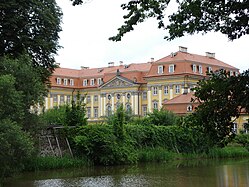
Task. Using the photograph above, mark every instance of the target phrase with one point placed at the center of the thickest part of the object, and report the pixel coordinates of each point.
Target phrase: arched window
(109, 110)
(128, 107)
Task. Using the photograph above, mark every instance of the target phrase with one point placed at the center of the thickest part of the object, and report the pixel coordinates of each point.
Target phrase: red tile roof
(181, 99)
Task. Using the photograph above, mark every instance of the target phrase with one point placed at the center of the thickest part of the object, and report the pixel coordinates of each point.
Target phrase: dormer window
(194, 68)
(231, 73)
(65, 81)
(71, 82)
(189, 108)
(209, 69)
(92, 82)
(99, 81)
(200, 69)
(58, 80)
(160, 69)
(236, 73)
(85, 82)
(171, 68)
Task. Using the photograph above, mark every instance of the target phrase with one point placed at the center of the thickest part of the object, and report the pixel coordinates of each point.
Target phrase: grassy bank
(47, 163)
(143, 156)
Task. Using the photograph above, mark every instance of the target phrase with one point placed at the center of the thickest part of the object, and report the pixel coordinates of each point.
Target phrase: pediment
(118, 82)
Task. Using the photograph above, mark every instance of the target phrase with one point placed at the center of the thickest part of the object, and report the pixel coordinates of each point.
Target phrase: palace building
(139, 87)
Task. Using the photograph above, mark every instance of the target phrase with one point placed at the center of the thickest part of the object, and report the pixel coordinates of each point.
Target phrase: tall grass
(47, 163)
(228, 152)
(155, 155)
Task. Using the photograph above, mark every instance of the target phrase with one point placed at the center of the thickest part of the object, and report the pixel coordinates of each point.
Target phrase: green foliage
(31, 26)
(228, 152)
(16, 148)
(118, 125)
(76, 114)
(162, 118)
(221, 97)
(242, 139)
(228, 17)
(54, 116)
(11, 106)
(100, 144)
(21, 88)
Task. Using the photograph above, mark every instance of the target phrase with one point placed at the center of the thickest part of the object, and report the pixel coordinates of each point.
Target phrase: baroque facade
(139, 87)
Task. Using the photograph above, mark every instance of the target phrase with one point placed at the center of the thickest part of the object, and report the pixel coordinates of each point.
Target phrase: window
(99, 81)
(58, 80)
(171, 68)
(166, 90)
(65, 81)
(96, 113)
(109, 97)
(144, 110)
(160, 69)
(235, 128)
(88, 112)
(155, 89)
(200, 69)
(177, 89)
(128, 96)
(155, 105)
(109, 110)
(118, 96)
(95, 98)
(85, 82)
(68, 98)
(245, 126)
(88, 99)
(54, 98)
(61, 99)
(92, 82)
(144, 96)
(189, 108)
(71, 82)
(128, 107)
(236, 73)
(194, 68)
(231, 73)
(209, 69)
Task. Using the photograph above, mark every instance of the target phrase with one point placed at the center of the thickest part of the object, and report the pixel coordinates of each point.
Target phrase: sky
(86, 29)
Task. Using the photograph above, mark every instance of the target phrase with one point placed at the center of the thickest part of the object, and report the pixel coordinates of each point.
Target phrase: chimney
(110, 64)
(84, 67)
(183, 49)
(210, 55)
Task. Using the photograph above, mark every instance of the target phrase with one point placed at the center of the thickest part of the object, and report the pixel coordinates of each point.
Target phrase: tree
(222, 97)
(229, 17)
(31, 26)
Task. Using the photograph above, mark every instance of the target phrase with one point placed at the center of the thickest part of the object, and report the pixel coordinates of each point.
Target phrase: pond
(204, 173)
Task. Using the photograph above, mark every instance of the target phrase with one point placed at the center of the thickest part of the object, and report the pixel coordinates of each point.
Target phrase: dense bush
(54, 115)
(242, 139)
(16, 148)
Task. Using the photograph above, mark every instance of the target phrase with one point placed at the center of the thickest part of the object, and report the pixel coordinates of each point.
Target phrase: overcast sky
(86, 30)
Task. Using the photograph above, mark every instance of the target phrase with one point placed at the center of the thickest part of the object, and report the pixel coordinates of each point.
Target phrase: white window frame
(92, 82)
(65, 81)
(155, 105)
(235, 128)
(166, 90)
(177, 89)
(88, 112)
(85, 82)
(145, 109)
(95, 98)
(200, 69)
(96, 112)
(209, 69)
(99, 81)
(88, 99)
(160, 69)
(171, 68)
(155, 90)
(144, 96)
(71, 82)
(58, 80)
(194, 68)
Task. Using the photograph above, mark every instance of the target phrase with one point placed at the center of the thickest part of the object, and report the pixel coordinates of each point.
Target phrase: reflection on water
(204, 173)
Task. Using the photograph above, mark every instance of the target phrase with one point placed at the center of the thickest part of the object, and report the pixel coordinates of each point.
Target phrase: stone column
(100, 105)
(112, 101)
(92, 111)
(46, 103)
(58, 100)
(123, 99)
(149, 98)
(171, 91)
(160, 97)
(104, 104)
(136, 103)
(51, 101)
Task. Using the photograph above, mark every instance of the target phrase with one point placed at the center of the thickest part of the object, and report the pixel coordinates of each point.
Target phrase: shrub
(16, 148)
